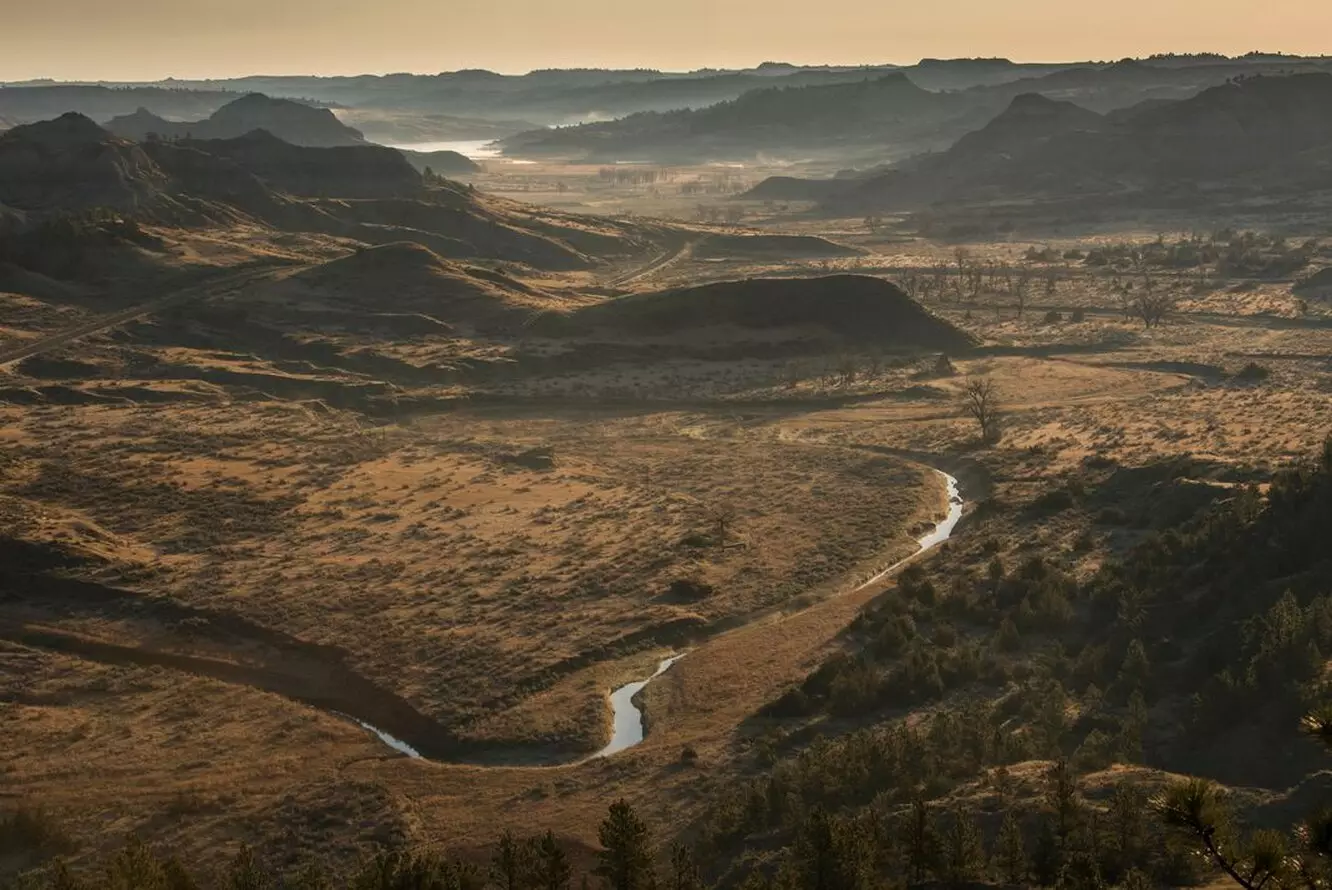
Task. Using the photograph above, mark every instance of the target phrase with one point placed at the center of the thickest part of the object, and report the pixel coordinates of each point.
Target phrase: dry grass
(506, 600)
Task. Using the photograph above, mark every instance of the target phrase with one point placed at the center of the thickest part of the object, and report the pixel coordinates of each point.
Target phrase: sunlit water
(396, 744)
(942, 532)
(628, 718)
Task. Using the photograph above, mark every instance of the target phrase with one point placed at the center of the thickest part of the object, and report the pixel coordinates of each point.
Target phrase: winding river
(628, 718)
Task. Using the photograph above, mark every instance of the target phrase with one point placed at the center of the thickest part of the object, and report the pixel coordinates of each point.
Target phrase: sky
(155, 39)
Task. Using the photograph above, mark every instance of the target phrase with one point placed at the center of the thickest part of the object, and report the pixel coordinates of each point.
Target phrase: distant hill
(67, 174)
(1269, 134)
(778, 121)
(798, 116)
(852, 308)
(348, 171)
(28, 104)
(289, 121)
(445, 163)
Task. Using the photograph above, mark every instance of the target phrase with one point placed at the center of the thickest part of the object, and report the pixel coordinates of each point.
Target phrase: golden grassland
(505, 600)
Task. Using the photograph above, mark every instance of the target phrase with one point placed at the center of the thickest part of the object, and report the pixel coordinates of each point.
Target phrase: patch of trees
(1230, 253)
(1208, 634)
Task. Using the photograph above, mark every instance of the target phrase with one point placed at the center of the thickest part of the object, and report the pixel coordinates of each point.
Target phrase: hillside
(776, 122)
(28, 104)
(1261, 132)
(349, 171)
(444, 163)
(289, 121)
(72, 164)
(851, 308)
(406, 278)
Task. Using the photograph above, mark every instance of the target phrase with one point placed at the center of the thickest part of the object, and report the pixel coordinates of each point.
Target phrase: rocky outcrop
(71, 164)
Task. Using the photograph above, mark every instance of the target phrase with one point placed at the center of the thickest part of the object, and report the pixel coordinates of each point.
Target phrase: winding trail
(194, 292)
(670, 258)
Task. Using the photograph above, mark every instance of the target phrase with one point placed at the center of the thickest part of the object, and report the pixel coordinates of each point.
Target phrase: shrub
(1054, 316)
(1253, 373)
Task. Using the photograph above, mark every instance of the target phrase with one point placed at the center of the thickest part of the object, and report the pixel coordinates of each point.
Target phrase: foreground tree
(981, 402)
(509, 863)
(625, 858)
(684, 870)
(548, 864)
(1196, 809)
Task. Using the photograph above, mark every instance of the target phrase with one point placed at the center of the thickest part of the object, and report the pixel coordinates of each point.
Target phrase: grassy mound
(854, 308)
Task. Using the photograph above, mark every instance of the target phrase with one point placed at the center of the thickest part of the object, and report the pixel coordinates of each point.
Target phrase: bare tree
(940, 280)
(981, 402)
(1019, 288)
(1051, 282)
(848, 368)
(1153, 308)
(722, 517)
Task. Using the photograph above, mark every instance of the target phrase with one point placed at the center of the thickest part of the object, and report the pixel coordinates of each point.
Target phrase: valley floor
(208, 558)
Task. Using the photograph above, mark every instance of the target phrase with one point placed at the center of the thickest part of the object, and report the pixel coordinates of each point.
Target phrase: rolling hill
(289, 121)
(407, 278)
(777, 121)
(1266, 134)
(70, 167)
(848, 308)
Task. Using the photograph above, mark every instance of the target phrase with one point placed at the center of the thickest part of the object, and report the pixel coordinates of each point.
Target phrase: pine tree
(509, 862)
(1062, 799)
(549, 866)
(311, 877)
(919, 842)
(684, 871)
(1047, 857)
(831, 853)
(1126, 828)
(625, 860)
(1010, 852)
(246, 873)
(755, 881)
(135, 867)
(59, 877)
(816, 852)
(1131, 729)
(963, 851)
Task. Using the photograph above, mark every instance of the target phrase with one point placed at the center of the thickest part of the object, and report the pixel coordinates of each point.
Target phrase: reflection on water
(628, 718)
(942, 532)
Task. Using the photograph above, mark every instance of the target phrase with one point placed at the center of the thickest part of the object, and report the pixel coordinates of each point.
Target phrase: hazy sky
(150, 39)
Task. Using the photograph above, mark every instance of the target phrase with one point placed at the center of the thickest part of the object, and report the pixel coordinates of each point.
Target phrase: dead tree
(981, 402)
(1153, 308)
(722, 517)
(1019, 287)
